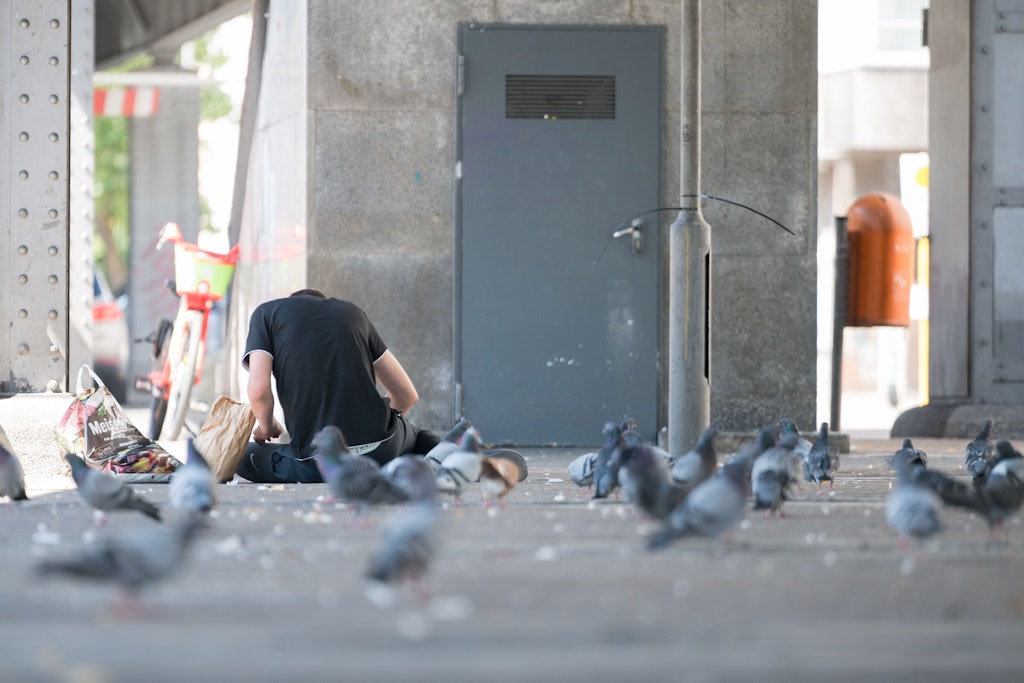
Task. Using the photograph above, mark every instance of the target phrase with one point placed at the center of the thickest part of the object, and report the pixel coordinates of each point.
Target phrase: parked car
(110, 338)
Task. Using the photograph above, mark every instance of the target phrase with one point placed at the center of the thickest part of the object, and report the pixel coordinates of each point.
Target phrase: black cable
(704, 196)
(629, 220)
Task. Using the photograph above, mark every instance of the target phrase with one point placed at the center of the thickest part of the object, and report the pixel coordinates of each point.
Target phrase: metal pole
(689, 332)
(839, 313)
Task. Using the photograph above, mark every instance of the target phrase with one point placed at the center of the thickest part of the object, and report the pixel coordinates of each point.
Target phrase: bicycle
(201, 278)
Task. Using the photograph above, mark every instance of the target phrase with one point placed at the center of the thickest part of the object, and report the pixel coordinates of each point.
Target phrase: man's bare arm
(393, 377)
(261, 397)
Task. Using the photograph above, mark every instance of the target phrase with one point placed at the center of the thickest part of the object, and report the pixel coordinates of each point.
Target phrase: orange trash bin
(881, 241)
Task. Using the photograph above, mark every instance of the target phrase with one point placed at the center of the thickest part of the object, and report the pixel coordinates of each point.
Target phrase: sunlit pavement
(553, 586)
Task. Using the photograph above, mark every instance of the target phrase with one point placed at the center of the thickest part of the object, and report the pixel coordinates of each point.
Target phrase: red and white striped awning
(127, 101)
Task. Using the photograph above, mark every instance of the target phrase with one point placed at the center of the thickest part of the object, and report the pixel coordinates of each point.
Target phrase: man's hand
(262, 433)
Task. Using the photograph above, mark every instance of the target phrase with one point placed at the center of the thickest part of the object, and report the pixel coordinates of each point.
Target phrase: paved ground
(554, 587)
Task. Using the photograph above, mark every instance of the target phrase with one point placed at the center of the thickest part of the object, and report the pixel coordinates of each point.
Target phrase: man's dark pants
(271, 463)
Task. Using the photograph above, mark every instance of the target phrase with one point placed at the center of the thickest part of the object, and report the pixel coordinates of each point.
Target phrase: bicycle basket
(194, 266)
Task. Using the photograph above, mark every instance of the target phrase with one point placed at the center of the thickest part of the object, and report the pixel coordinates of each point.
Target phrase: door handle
(636, 234)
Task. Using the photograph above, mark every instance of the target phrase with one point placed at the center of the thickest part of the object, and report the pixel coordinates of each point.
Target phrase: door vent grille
(532, 96)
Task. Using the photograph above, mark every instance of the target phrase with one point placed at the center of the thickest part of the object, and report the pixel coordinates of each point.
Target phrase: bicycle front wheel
(183, 375)
(157, 414)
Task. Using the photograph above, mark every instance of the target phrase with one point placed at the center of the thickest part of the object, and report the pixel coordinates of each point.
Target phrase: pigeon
(773, 472)
(354, 479)
(498, 476)
(414, 475)
(448, 444)
(908, 455)
(912, 461)
(911, 509)
(130, 559)
(644, 478)
(822, 461)
(106, 493)
(751, 448)
(786, 426)
(515, 457)
(711, 508)
(461, 467)
(192, 487)
(12, 476)
(698, 463)
(404, 555)
(980, 453)
(606, 475)
(949, 490)
(1003, 488)
(581, 470)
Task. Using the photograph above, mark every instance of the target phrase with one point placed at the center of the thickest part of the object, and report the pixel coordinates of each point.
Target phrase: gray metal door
(997, 288)
(559, 142)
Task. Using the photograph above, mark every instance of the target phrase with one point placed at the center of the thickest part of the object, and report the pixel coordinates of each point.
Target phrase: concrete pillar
(164, 187)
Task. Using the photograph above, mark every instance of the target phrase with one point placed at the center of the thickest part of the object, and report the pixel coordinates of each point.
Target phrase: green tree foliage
(110, 191)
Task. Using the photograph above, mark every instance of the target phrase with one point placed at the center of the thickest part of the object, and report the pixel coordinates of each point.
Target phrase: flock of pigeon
(996, 491)
(689, 494)
(692, 496)
(139, 556)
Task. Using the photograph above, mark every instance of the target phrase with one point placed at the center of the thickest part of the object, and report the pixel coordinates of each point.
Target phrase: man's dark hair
(309, 292)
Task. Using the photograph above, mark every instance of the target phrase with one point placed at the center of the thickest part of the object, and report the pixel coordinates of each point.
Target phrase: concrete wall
(376, 141)
(275, 215)
(760, 147)
(949, 200)
(164, 188)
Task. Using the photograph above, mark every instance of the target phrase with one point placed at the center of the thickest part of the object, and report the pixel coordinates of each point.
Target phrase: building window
(900, 24)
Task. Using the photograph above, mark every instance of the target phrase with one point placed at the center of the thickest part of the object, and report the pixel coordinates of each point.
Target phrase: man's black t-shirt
(323, 353)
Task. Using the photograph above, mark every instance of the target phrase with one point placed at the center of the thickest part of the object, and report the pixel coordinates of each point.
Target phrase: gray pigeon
(980, 454)
(462, 467)
(773, 473)
(192, 487)
(130, 559)
(606, 474)
(911, 509)
(414, 475)
(765, 438)
(698, 463)
(106, 493)
(949, 490)
(1003, 488)
(644, 478)
(711, 508)
(909, 455)
(354, 479)
(581, 470)
(449, 444)
(12, 476)
(912, 462)
(822, 461)
(404, 554)
(788, 426)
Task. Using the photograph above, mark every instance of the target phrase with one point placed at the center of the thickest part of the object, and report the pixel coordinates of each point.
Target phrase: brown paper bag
(224, 436)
